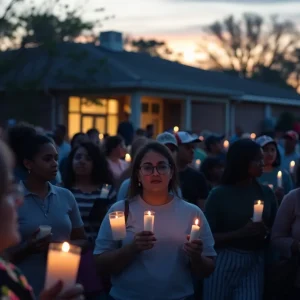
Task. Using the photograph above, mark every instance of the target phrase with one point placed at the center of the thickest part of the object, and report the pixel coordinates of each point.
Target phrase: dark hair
(62, 128)
(277, 161)
(208, 164)
(137, 145)
(100, 173)
(111, 143)
(239, 156)
(140, 132)
(75, 137)
(6, 162)
(134, 188)
(92, 131)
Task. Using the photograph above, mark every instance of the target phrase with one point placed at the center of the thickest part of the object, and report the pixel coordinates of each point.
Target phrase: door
(93, 121)
(152, 113)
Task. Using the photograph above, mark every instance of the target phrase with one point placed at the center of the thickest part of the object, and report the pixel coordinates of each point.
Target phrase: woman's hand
(35, 245)
(144, 240)
(253, 229)
(74, 293)
(194, 248)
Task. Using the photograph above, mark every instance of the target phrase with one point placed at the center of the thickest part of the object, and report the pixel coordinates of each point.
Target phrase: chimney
(111, 40)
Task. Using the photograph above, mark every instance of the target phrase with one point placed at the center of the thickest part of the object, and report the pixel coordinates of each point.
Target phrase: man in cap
(214, 146)
(290, 142)
(193, 184)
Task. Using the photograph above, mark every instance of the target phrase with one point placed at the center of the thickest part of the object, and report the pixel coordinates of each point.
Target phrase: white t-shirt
(162, 273)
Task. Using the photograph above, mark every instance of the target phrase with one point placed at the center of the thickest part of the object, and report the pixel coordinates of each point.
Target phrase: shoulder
(187, 205)
(62, 193)
(292, 196)
(125, 183)
(190, 172)
(219, 190)
(120, 205)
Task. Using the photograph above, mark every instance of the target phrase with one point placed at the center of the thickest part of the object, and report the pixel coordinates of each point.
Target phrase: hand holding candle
(63, 262)
(149, 220)
(117, 224)
(279, 179)
(258, 211)
(195, 231)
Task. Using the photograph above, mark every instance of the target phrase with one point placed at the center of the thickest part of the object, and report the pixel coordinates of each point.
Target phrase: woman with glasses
(13, 284)
(158, 264)
(240, 242)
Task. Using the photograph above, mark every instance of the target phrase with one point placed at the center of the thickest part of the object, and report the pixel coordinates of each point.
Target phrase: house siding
(172, 114)
(208, 116)
(277, 110)
(249, 116)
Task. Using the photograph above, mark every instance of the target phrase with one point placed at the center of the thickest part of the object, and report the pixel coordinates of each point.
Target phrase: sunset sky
(180, 22)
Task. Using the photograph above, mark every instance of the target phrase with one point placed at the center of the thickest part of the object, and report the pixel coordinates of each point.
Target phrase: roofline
(263, 99)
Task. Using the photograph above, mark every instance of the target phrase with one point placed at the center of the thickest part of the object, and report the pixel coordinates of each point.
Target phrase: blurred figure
(139, 133)
(238, 134)
(115, 151)
(149, 131)
(126, 130)
(93, 135)
(214, 147)
(193, 184)
(291, 139)
(59, 137)
(212, 168)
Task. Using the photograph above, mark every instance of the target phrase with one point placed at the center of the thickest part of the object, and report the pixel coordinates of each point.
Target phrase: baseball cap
(184, 137)
(292, 135)
(264, 140)
(213, 139)
(167, 138)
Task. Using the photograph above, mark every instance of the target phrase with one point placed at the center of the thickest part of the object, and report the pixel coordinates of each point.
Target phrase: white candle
(117, 224)
(44, 231)
(258, 211)
(62, 264)
(195, 231)
(197, 163)
(128, 158)
(176, 129)
(279, 179)
(226, 145)
(149, 221)
(271, 186)
(292, 166)
(105, 191)
(253, 136)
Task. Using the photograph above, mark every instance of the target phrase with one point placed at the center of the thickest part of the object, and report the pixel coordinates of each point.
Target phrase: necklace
(42, 207)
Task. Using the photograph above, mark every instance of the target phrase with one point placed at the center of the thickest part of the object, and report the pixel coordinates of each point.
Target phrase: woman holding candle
(13, 284)
(155, 264)
(240, 241)
(272, 173)
(44, 204)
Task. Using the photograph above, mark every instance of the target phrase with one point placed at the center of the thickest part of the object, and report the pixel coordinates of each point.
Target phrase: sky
(181, 22)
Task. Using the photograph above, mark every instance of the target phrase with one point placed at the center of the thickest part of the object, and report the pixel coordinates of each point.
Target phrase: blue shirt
(58, 210)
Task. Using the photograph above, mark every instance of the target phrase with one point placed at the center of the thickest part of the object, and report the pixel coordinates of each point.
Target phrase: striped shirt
(92, 215)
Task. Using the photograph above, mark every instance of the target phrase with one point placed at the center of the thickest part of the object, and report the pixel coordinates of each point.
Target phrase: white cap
(167, 138)
(184, 137)
(264, 140)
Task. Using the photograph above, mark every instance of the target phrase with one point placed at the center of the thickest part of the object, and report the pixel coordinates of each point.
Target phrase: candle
(197, 163)
(195, 231)
(62, 264)
(117, 224)
(271, 186)
(292, 166)
(279, 179)
(105, 191)
(201, 138)
(101, 136)
(44, 231)
(253, 136)
(128, 158)
(258, 211)
(226, 145)
(176, 129)
(149, 220)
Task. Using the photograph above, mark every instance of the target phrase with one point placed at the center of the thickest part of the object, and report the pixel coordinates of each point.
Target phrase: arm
(281, 232)
(202, 191)
(202, 266)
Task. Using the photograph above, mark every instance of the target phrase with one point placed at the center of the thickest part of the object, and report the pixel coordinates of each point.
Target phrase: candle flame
(176, 129)
(198, 161)
(101, 136)
(253, 136)
(117, 217)
(292, 164)
(149, 213)
(127, 157)
(259, 202)
(226, 144)
(196, 222)
(65, 247)
(279, 175)
(201, 138)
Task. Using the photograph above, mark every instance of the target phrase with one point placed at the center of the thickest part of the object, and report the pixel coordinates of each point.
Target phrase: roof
(69, 66)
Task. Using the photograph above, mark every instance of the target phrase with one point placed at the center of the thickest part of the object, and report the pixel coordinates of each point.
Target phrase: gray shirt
(162, 273)
(58, 210)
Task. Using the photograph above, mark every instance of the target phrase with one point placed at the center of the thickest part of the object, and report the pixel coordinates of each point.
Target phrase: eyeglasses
(148, 170)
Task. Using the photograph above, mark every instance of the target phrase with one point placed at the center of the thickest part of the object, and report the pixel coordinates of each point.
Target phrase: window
(155, 108)
(74, 124)
(145, 107)
(97, 107)
(74, 104)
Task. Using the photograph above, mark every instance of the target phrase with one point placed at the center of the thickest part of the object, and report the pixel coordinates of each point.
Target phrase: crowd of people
(181, 177)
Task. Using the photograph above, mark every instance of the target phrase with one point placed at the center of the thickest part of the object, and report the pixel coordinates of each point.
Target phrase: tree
(251, 46)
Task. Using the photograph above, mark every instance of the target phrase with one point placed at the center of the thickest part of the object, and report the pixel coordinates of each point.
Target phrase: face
(121, 150)
(95, 138)
(44, 164)
(270, 154)
(157, 179)
(173, 150)
(290, 144)
(217, 148)
(82, 163)
(256, 165)
(186, 153)
(216, 173)
(79, 139)
(11, 200)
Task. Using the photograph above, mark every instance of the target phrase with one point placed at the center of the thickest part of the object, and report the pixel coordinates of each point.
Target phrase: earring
(139, 184)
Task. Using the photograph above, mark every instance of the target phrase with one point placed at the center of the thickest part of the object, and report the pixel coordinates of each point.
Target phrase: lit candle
(105, 191)
(101, 136)
(258, 211)
(197, 163)
(271, 186)
(226, 145)
(201, 138)
(253, 136)
(117, 224)
(149, 220)
(194, 235)
(176, 129)
(279, 179)
(62, 264)
(292, 167)
(128, 158)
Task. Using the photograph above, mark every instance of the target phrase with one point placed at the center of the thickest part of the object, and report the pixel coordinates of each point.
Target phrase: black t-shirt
(193, 185)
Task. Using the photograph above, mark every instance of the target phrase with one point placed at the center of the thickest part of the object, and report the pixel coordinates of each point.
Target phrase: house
(85, 86)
